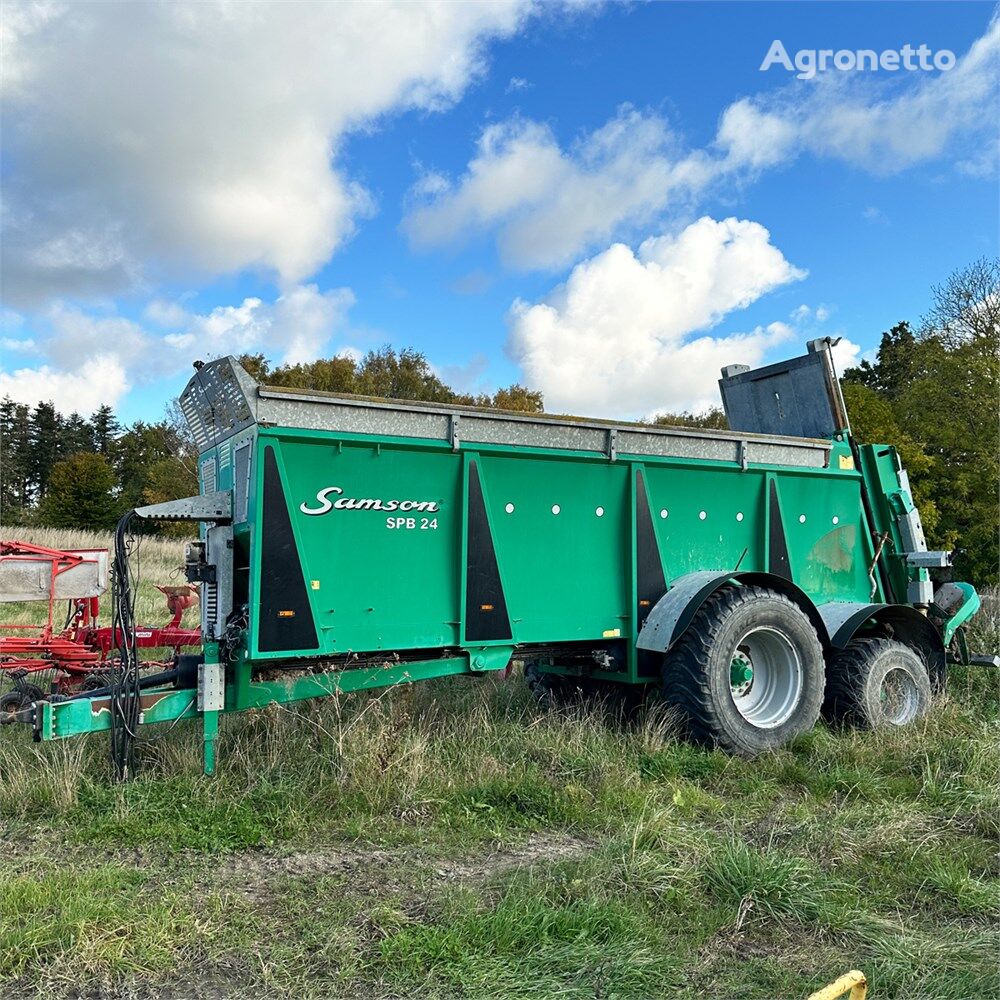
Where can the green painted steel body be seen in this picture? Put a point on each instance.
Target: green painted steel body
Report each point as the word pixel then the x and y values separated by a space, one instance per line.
pixel 379 581
pixel 371 559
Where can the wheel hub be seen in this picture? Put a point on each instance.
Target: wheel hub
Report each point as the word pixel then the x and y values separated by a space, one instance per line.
pixel 766 677
pixel 740 674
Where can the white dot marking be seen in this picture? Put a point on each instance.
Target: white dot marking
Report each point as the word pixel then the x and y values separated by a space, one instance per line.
pixel 599 512
pixel 555 508
pixel 702 515
pixel 739 516
pixel 836 520
pixel 802 519
pixel 509 508
pixel 663 513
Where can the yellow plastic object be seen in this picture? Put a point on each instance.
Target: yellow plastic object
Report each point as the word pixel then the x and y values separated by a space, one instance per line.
pixel 853 982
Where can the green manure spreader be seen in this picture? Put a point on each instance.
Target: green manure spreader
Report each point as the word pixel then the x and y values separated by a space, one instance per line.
pixel 755 577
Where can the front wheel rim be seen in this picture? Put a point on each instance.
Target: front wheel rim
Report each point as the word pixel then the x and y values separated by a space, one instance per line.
pixel 769 697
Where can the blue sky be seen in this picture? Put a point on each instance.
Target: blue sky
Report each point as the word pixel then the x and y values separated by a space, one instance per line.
pixel 458 180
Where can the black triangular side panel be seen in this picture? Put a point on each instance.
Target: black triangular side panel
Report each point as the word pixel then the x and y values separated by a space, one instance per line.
pixel 650 583
pixel 485 605
pixel 777 548
pixel 286 621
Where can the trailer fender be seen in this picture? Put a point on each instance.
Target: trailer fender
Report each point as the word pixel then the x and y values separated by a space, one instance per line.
pixel 844 620
pixel 674 612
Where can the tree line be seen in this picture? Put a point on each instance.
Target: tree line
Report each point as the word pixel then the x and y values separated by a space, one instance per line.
pixel 931 390
pixel 386 375
pixel 70 472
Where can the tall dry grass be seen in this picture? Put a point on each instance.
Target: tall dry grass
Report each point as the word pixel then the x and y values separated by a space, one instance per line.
pixel 402 752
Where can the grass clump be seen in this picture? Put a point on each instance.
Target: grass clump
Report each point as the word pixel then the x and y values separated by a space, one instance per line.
pixel 98 923
pixel 761 883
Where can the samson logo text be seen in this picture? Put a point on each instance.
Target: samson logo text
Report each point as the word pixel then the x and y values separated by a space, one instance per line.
pixel 366 503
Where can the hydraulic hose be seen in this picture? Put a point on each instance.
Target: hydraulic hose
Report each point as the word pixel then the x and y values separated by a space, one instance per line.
pixel 150 680
pixel 125 688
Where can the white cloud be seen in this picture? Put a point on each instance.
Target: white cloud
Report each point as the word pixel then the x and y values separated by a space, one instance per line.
pixel 76 337
pixel 169 315
pixel 549 203
pixel 518 163
pixel 204 135
pixel 806 314
pixel 116 353
pixel 619 336
pixel 100 380
pixel 752 137
pixel 296 328
pixel 18 346
pixel 846 354
pixel 883 126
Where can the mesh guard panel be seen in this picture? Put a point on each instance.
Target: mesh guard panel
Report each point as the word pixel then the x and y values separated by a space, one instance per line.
pixel 218 402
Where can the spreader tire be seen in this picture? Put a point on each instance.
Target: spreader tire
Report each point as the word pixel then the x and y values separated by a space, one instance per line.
pixel 875 683
pixel 747 675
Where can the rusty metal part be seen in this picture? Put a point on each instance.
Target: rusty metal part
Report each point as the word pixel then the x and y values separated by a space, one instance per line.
pixel 883 538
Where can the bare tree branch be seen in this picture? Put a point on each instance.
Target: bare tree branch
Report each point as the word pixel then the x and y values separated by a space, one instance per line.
pixel 967 306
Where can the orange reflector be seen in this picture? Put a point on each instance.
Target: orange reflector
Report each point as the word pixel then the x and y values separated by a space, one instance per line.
pixel 644 604
pixel 286 614
pixel 485 607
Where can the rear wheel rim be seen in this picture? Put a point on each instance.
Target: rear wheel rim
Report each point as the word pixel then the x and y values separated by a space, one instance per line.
pixel 774 689
pixel 899 698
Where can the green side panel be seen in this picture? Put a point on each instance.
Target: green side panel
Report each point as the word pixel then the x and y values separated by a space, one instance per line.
pixel 565 567
pixel 716 519
pixel 377 579
pixel 695 511
pixel 824 532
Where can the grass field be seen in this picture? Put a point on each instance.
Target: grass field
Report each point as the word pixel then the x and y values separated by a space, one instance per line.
pixel 451 840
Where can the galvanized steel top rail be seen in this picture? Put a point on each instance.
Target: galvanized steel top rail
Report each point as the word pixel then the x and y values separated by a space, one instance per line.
pixel 222 399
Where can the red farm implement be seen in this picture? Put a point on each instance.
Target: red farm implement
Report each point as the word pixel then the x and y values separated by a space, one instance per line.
pixel 78 654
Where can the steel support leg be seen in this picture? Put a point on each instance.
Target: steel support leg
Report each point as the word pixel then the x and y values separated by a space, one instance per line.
pixel 210 724
pixel 211 701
